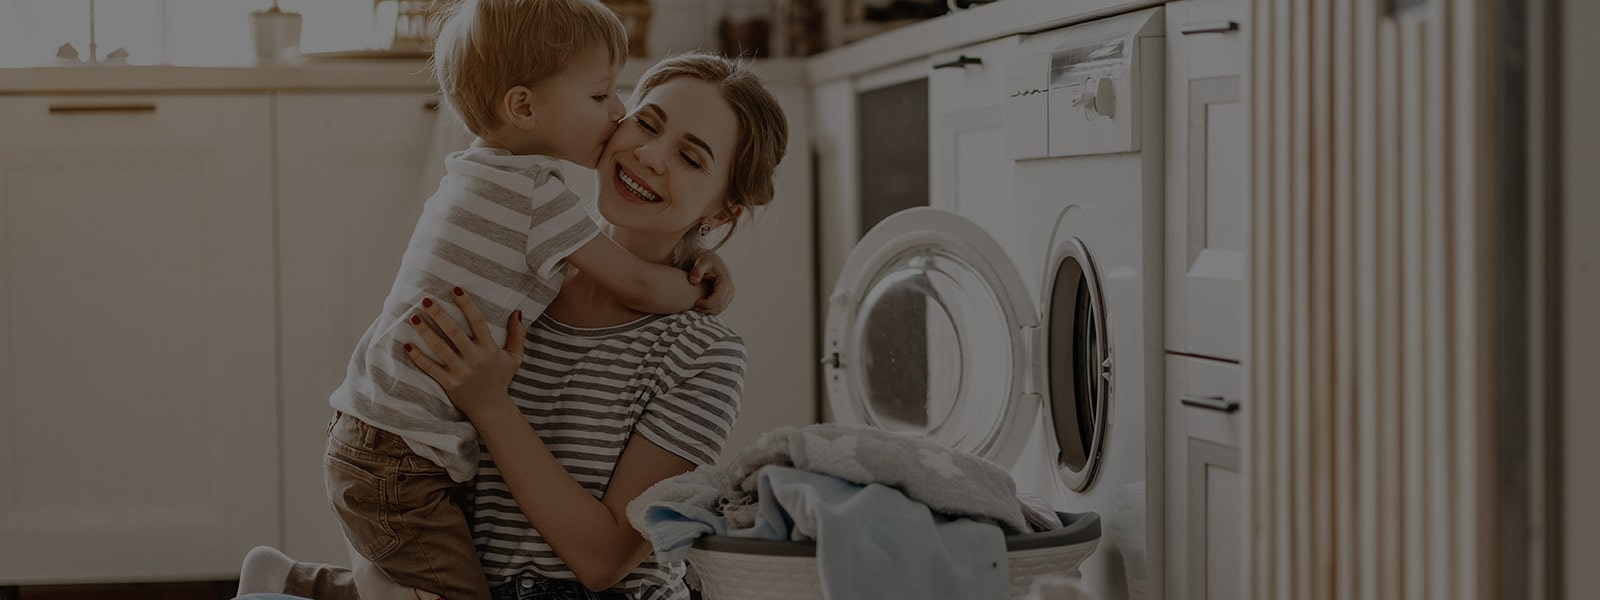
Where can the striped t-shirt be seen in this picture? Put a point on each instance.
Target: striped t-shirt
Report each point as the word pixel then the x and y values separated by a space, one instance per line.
pixel 500 227
pixel 674 379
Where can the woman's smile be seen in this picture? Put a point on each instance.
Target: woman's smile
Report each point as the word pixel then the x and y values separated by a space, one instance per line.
pixel 632 187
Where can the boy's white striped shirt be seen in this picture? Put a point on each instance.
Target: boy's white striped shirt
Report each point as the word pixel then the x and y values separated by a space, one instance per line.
pixel 500 227
pixel 674 379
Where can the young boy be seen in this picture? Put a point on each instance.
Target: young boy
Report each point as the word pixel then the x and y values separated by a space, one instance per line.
pixel 535 81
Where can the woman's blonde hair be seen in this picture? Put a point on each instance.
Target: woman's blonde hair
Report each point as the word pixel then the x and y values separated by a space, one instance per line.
pixel 487 47
pixel 762 139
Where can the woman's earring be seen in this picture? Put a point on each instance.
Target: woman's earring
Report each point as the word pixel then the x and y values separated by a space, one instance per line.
pixel 705 229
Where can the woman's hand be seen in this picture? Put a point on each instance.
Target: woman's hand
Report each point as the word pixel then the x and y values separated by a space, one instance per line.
pixel 711 267
pixel 475 373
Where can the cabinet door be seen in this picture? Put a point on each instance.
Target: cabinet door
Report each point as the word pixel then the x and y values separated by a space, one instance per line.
pixel 350 188
pixel 967 146
pixel 1207 158
pixel 138 370
pixel 1205 492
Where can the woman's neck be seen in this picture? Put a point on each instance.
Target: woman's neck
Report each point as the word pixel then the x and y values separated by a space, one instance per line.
pixel 583 302
pixel 650 246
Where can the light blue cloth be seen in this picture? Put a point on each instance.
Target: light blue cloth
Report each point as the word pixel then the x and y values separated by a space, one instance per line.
pixel 675 511
pixel 872 541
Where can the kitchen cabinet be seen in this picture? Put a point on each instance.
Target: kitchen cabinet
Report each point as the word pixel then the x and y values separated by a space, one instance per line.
pixel 1205 516
pixel 1206 261
pixel 1207 156
pixel 350 189
pixel 967 144
pixel 138 377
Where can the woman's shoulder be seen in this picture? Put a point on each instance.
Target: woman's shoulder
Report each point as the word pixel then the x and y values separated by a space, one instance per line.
pixel 707 332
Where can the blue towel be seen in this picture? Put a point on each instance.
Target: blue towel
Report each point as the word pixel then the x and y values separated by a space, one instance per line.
pixel 872 541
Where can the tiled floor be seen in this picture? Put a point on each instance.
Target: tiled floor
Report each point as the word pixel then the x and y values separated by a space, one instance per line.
pixel 199 590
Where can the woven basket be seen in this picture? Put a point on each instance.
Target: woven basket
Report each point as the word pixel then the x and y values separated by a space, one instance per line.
pixel 745 569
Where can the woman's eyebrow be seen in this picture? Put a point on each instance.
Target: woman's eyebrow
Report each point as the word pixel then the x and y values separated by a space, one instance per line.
pixel 692 138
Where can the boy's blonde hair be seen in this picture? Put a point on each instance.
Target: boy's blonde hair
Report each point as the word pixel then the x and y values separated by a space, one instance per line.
pixel 763 135
pixel 487 47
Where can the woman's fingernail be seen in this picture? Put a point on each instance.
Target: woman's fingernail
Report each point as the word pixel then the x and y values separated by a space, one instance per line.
pixel 408 347
pixel 458 291
pixel 416 319
pixel 427 302
pixel 517 315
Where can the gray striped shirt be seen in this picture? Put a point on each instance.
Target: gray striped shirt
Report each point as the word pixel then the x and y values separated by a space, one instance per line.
pixel 499 227
pixel 674 379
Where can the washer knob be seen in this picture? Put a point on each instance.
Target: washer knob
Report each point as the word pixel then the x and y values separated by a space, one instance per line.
pixel 1097 97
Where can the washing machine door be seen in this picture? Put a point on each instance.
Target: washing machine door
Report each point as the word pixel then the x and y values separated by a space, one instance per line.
pixel 929 331
pixel 1077 355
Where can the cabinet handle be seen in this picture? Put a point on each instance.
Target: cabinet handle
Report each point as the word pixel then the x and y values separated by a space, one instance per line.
pixel 959 62
pixel 1216 403
pixel 102 108
pixel 1210 27
pixel 831 360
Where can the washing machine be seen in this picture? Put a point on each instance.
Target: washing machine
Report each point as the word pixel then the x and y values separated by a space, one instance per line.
pixel 1048 364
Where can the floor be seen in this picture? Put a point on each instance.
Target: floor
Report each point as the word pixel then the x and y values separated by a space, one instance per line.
pixel 197 590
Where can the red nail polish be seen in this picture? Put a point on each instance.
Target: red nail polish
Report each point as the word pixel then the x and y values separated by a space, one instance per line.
pixel 408 347
pixel 427 302
pixel 518 315
pixel 416 320
pixel 458 291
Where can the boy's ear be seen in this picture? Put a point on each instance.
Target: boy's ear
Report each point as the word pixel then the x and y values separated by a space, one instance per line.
pixel 517 108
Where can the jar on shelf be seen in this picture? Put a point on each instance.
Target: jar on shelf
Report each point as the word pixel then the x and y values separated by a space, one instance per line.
pixel 635 16
pixel 745 28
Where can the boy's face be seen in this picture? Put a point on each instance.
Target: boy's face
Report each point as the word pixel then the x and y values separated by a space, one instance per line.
pixel 576 111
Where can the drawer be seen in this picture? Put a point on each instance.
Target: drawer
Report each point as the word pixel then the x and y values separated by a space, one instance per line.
pixel 1209 36
pixel 1204 400
pixel 960 84
pixel 138 123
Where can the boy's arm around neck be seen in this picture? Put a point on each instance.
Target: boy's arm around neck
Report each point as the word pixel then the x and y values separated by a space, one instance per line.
pixel 639 284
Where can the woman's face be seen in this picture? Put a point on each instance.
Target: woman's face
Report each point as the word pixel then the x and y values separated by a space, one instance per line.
pixel 666 167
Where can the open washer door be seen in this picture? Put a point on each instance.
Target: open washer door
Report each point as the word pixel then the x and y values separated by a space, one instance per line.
pixel 931 331
pixel 1078 354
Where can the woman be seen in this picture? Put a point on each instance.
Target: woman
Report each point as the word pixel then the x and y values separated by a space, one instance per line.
pixel 620 400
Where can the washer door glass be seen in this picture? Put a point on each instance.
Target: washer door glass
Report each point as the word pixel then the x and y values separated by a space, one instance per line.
pixel 1080 367
pixel 934 349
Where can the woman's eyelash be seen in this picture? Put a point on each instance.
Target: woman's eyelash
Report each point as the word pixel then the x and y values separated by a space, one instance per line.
pixel 687 159
pixel 601 97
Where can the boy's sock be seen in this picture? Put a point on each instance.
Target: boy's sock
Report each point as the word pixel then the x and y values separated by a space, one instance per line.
pixel 265 569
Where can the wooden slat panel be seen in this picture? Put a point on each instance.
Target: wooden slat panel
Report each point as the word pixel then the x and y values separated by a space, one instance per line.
pixel 1343 226
pixel 1412 441
pixel 1372 301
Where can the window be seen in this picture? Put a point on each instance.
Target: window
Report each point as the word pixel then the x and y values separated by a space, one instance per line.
pixel 177 32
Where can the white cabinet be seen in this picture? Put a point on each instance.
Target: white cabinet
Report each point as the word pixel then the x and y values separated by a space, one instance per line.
pixel 966 140
pixel 138 373
pixel 1207 161
pixel 1205 491
pixel 350 188
pixel 1206 230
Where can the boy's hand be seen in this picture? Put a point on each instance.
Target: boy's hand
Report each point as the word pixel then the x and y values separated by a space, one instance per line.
pixel 710 267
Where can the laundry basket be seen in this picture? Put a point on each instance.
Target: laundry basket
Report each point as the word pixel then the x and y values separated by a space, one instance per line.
pixel 733 568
